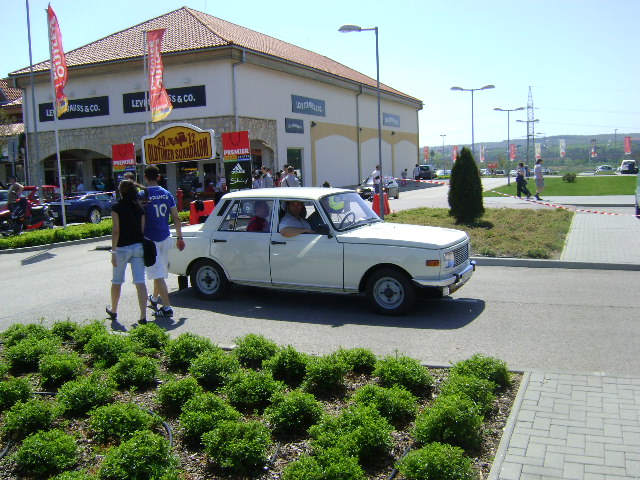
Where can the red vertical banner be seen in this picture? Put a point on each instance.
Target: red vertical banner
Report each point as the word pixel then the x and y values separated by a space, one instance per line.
pixel 512 151
pixel 594 154
pixel 563 148
pixel 158 98
pixel 454 153
pixel 58 62
pixel 627 145
pixel 426 153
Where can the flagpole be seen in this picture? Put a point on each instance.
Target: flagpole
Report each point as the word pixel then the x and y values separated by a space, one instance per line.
pixel 55 123
pixel 33 106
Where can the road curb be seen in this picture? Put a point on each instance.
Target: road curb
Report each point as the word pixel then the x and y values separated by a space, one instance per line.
pixel 49 246
pixel 541 263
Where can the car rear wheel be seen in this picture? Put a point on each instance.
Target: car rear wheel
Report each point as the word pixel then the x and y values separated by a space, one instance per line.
pixel 390 292
pixel 94 216
pixel 208 279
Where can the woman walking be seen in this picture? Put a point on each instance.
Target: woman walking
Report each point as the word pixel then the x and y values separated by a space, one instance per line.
pixel 521 182
pixel 126 247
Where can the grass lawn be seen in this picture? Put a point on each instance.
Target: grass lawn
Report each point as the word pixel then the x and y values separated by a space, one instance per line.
pixel 502 232
pixel 589 186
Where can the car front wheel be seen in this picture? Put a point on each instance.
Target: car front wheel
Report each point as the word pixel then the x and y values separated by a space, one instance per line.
pixel 390 292
pixel 94 216
pixel 208 279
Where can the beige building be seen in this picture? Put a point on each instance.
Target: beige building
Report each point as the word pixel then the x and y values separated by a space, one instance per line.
pixel 300 108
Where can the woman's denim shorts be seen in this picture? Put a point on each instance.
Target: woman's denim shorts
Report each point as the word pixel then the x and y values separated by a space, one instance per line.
pixel 132 254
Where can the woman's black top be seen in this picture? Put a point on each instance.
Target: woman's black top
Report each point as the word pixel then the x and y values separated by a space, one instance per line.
pixel 130 215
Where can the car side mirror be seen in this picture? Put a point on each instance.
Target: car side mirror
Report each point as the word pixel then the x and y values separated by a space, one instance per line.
pixel 323 229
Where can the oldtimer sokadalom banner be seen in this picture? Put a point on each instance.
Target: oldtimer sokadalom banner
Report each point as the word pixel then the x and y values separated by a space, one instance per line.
pixel 158 98
pixel 236 153
pixel 58 62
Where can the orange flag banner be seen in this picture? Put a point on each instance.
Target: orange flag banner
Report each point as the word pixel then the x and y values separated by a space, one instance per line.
pixel 58 62
pixel 159 99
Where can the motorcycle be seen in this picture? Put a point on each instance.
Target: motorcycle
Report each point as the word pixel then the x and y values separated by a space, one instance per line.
pixel 24 217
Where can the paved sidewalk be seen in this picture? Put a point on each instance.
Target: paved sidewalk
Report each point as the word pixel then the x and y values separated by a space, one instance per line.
pixel 567 425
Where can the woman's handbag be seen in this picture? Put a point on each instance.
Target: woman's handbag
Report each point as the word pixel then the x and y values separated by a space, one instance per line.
pixel 150 252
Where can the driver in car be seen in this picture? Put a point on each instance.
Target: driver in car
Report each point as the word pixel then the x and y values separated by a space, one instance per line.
pixel 293 222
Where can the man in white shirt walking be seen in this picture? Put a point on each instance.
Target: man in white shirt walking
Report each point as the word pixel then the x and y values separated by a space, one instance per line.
pixel 538 177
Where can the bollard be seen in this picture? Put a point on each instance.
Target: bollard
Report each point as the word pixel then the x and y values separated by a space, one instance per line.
pixel 179 199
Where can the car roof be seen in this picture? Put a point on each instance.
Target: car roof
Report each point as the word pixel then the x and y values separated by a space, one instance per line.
pixel 306 193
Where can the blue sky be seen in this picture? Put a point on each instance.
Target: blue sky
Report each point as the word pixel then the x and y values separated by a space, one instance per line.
pixel 577 56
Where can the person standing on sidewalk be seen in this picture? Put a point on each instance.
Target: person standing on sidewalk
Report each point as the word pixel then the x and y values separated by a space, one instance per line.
pixel 416 172
pixel 538 177
pixel 160 204
pixel 521 182
pixel 376 179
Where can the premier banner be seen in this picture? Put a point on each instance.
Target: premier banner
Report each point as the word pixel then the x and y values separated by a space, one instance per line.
pixel 236 154
pixel 59 69
pixel 158 98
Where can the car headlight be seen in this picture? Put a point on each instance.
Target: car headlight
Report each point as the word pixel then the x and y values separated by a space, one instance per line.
pixel 449 260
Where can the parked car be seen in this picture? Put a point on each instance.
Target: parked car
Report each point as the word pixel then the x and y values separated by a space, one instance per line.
pixel 427 172
pixel 84 206
pixel 389 186
pixel 604 169
pixel 29 192
pixel 442 173
pixel 513 173
pixel 500 172
pixel 628 167
pixel 352 250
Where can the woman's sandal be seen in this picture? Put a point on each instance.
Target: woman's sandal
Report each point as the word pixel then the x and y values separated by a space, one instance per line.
pixel 142 321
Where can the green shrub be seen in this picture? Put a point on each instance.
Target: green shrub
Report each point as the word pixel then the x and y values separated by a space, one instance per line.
pixel 79 396
pixel 46 237
pixel 437 461
pixel 86 331
pixel 569 178
pixel 25 354
pixel 359 431
pixel 184 349
pixel 465 189
pixel 251 390
pixel 4 368
pixel 288 365
pixel 58 368
pixel 175 393
pixel 14 390
pixel 487 368
pixel 106 349
pixel 202 413
pixel 26 418
pixel 325 375
pixel 359 360
pixel 213 368
pixel 47 453
pixel 330 464
pixel 476 389
pixel 452 419
pixel 150 336
pixel 20 331
pixel 144 456
pixel 74 475
pixel 119 421
pixel 253 349
pixel 239 446
pixel 404 372
pixel 395 404
pixel 134 371
pixel 294 412
pixel 64 330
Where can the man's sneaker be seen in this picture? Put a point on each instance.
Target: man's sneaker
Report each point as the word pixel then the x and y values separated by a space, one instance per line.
pixel 142 321
pixel 112 315
pixel 164 312
pixel 538 198
pixel 152 302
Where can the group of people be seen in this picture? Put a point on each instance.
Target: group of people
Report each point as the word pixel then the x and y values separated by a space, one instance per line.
pixel 283 178
pixel 521 180
pixel 143 212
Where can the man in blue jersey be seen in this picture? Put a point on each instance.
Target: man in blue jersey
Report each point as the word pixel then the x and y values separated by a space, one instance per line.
pixel 159 205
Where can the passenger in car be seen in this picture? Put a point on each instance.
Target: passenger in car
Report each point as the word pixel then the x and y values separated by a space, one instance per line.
pixel 259 222
pixel 293 222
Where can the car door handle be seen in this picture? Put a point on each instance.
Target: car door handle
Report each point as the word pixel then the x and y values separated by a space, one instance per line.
pixel 215 240
pixel 273 242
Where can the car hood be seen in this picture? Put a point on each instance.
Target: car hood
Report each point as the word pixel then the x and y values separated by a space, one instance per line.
pixel 398 234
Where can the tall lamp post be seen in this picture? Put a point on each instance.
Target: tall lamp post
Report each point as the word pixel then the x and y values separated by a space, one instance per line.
pixel 444 162
pixel 486 87
pixel 615 143
pixel 356 28
pixel 508 110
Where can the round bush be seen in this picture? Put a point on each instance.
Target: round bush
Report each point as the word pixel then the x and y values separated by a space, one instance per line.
pixel 132 370
pixel 74 475
pixel 252 390
pixel 404 372
pixel 4 368
pixel 144 456
pixel 58 368
pixel 14 390
pixel 47 453
pixel 119 421
pixel 452 419
pixel 26 418
pixel 330 464
pixel 79 396
pixel 20 331
pixel 437 461
pixel 175 393
pixel 288 365
pixel 476 389
pixel 294 412
pixel 213 368
pixel 202 413
pixel 395 404
pixel 359 360
pixel 25 354
pixel 325 375
pixel 85 332
pixel 252 349
pixel 64 330
pixel 150 336
pixel 487 368
pixel 184 349
pixel 238 446
pixel 106 349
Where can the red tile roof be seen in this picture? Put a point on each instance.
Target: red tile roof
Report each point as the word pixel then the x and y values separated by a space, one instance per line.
pixel 9 93
pixel 191 30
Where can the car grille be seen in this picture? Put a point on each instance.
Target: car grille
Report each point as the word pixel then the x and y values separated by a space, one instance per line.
pixel 461 254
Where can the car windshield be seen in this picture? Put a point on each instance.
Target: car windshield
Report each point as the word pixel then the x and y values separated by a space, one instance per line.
pixel 368 182
pixel 348 210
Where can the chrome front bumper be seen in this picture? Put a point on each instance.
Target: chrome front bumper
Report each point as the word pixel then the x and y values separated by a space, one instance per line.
pixel 452 283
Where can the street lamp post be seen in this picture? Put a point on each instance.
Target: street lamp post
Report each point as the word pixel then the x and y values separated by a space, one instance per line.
pixel 486 87
pixel 508 110
pixel 356 28
pixel 444 162
pixel 615 144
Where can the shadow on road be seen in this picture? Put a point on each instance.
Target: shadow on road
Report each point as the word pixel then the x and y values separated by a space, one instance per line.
pixel 330 309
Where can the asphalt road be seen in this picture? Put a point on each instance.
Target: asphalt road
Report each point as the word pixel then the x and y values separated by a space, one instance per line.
pixel 532 318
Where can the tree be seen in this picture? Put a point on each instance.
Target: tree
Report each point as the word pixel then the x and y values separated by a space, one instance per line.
pixel 465 189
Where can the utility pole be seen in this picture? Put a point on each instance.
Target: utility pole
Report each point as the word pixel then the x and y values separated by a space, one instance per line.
pixel 531 139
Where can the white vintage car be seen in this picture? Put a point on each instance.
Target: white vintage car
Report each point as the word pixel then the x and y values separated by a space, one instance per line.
pixel 351 250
